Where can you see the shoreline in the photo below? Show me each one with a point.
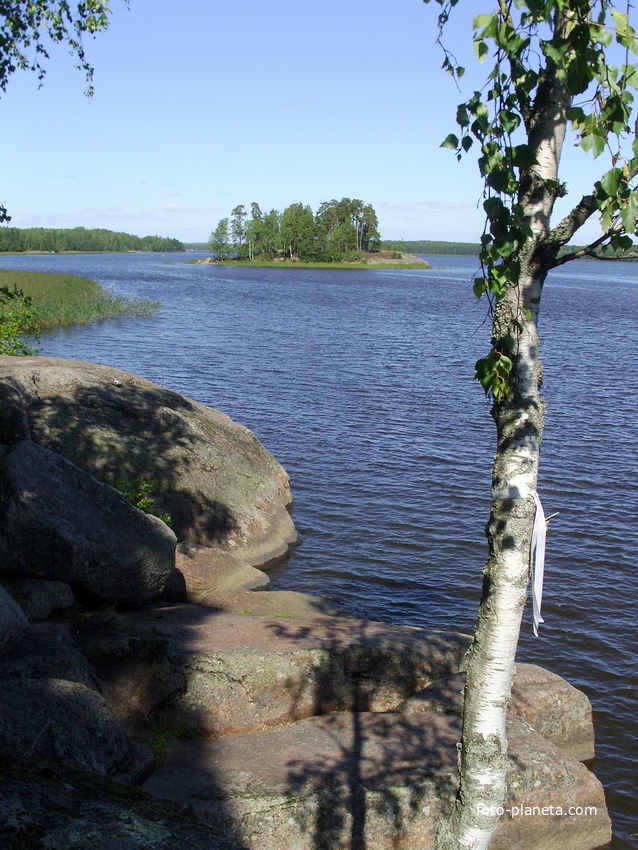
(407, 261)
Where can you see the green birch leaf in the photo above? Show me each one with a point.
(554, 52)
(504, 365)
(493, 207)
(592, 142)
(598, 146)
(575, 114)
(510, 121)
(611, 181)
(621, 19)
(630, 42)
(630, 73)
(629, 214)
(451, 142)
(601, 35)
(523, 156)
(481, 49)
(482, 21)
(505, 246)
(622, 243)
(462, 118)
(606, 218)
(480, 286)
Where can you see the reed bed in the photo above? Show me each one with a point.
(65, 299)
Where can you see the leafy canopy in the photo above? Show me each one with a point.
(27, 27)
(588, 49)
(340, 230)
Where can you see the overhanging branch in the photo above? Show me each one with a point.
(573, 221)
(587, 251)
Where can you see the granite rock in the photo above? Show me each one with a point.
(214, 478)
(58, 522)
(13, 621)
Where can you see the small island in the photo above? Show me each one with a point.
(341, 234)
(367, 260)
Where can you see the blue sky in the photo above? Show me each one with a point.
(205, 104)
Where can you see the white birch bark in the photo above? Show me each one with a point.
(519, 424)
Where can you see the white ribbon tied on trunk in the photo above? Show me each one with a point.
(537, 548)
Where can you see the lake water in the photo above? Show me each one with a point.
(360, 383)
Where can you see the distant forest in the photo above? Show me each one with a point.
(17, 240)
(421, 246)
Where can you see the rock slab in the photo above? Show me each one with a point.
(39, 598)
(239, 672)
(57, 522)
(13, 621)
(72, 810)
(218, 483)
(351, 780)
(58, 721)
(555, 709)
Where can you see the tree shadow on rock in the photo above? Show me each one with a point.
(133, 434)
(326, 762)
(387, 785)
(384, 777)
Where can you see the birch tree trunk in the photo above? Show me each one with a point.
(490, 670)
(519, 426)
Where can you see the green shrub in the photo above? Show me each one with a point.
(174, 725)
(17, 319)
(140, 493)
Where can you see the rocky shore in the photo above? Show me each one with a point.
(154, 695)
(380, 259)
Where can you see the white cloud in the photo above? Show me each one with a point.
(445, 205)
(177, 208)
(419, 207)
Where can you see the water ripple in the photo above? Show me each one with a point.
(361, 384)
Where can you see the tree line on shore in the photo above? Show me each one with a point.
(339, 230)
(472, 249)
(425, 246)
(17, 240)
